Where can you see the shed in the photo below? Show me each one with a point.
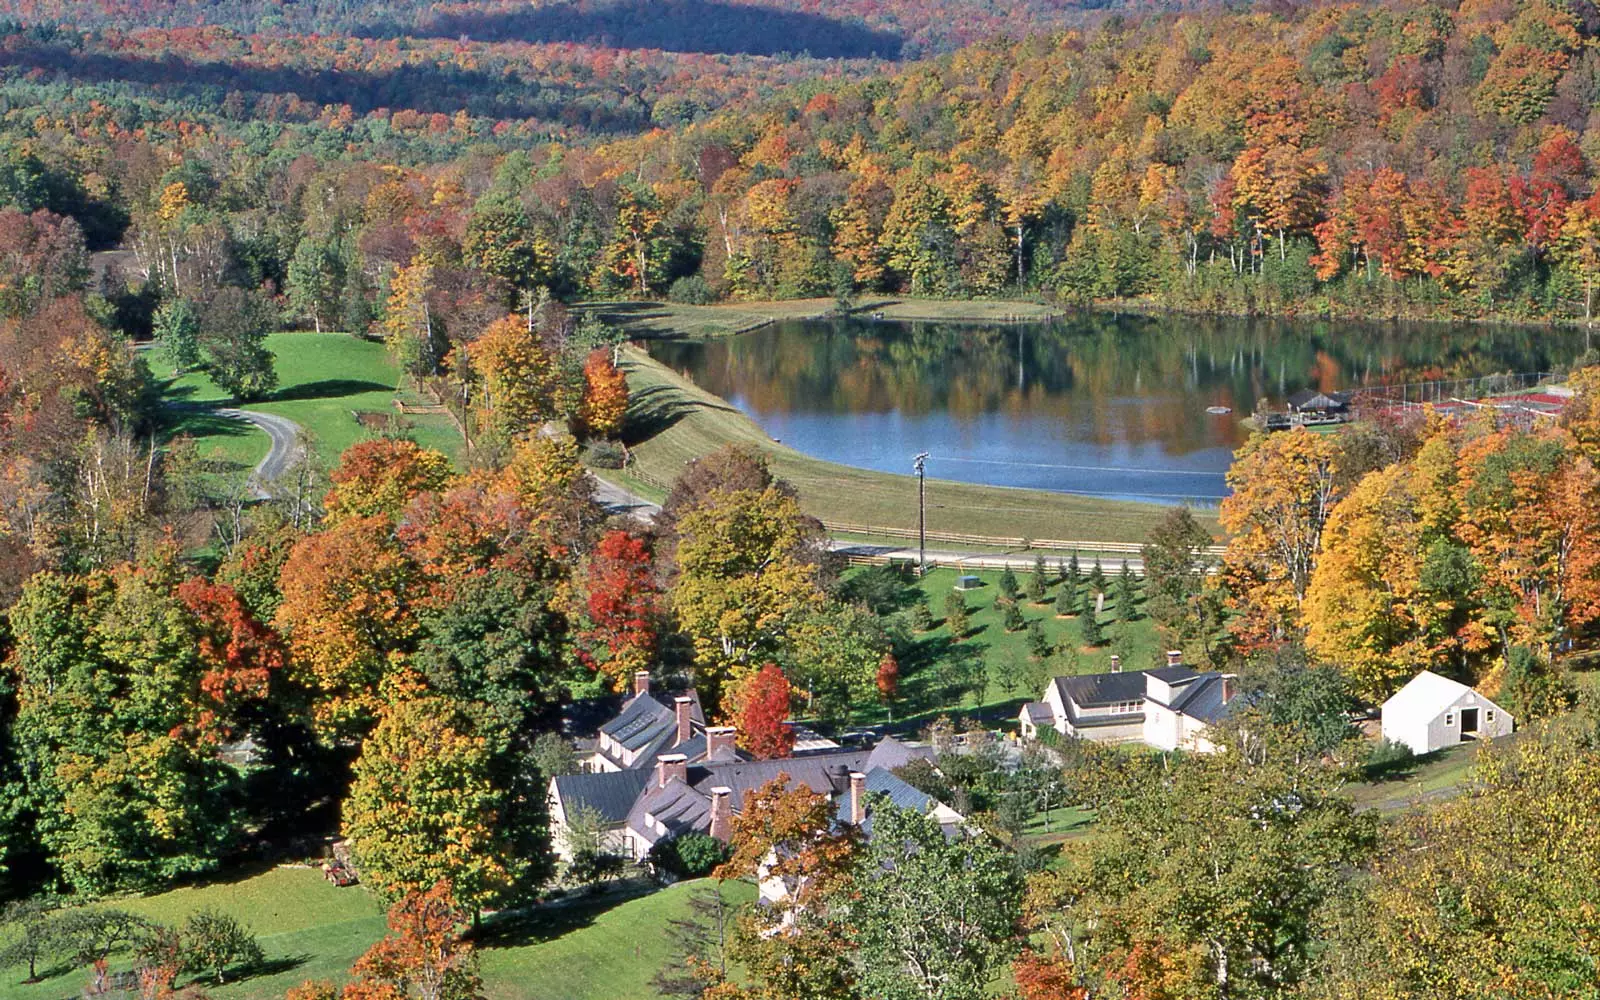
(968, 583)
(1434, 712)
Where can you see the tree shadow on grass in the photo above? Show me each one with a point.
(328, 388)
(657, 408)
(557, 918)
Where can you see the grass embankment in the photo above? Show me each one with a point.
(672, 421)
(594, 948)
(646, 320)
(324, 380)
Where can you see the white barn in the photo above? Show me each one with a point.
(1434, 712)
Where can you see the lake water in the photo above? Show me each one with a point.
(1102, 405)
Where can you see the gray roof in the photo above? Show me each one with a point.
(1095, 690)
(1202, 699)
(1314, 400)
(890, 753)
(1038, 712)
(899, 791)
(647, 718)
(675, 805)
(609, 793)
(826, 774)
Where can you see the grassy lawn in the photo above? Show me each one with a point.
(1004, 657)
(592, 948)
(672, 421)
(644, 320)
(324, 379)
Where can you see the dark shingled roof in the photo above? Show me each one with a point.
(676, 806)
(1038, 712)
(826, 774)
(1095, 690)
(890, 753)
(1203, 700)
(609, 793)
(1314, 400)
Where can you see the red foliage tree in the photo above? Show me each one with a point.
(241, 655)
(761, 712)
(624, 608)
(1040, 977)
(605, 396)
(888, 679)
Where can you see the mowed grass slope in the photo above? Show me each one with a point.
(589, 948)
(672, 421)
(324, 379)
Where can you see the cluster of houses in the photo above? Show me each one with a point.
(655, 770)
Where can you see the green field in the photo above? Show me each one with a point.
(645, 320)
(672, 421)
(590, 948)
(324, 380)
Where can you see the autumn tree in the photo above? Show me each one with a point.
(377, 478)
(746, 574)
(347, 611)
(624, 605)
(1284, 488)
(522, 380)
(414, 335)
(605, 397)
(431, 803)
(761, 714)
(423, 957)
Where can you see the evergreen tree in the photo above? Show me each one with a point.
(1013, 617)
(1089, 623)
(1067, 599)
(1008, 584)
(957, 617)
(177, 332)
(1127, 593)
(1036, 581)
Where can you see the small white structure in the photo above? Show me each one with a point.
(1434, 712)
(1171, 708)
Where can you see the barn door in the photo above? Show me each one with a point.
(1469, 724)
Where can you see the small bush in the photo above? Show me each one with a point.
(956, 614)
(1387, 758)
(921, 617)
(1013, 617)
(689, 856)
(1008, 584)
(214, 942)
(603, 454)
(691, 290)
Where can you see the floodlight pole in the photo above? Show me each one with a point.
(921, 465)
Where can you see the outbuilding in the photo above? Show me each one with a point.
(1433, 712)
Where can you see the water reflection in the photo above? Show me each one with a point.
(1105, 405)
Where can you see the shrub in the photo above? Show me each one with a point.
(214, 942)
(588, 867)
(921, 617)
(1388, 757)
(1038, 644)
(691, 290)
(1013, 617)
(604, 454)
(1008, 584)
(689, 856)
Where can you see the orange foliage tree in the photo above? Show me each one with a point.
(605, 396)
(381, 476)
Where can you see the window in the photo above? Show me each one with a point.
(1449, 719)
(1490, 715)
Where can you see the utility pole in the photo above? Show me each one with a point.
(921, 465)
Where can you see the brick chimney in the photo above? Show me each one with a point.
(641, 682)
(1174, 657)
(682, 704)
(720, 741)
(1116, 663)
(1227, 688)
(858, 798)
(669, 766)
(722, 813)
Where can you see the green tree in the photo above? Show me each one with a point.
(501, 242)
(1012, 615)
(1008, 584)
(32, 935)
(833, 654)
(314, 282)
(1127, 594)
(177, 330)
(1036, 581)
(1221, 861)
(431, 802)
(234, 324)
(214, 942)
(957, 616)
(1089, 625)
(1067, 598)
(933, 917)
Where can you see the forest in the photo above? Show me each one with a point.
(205, 673)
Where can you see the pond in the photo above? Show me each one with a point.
(1105, 405)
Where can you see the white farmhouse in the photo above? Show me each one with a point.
(1434, 712)
(1171, 708)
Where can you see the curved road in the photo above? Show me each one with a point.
(284, 435)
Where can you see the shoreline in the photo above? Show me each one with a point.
(672, 421)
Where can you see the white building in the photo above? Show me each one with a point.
(1434, 712)
(1171, 708)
